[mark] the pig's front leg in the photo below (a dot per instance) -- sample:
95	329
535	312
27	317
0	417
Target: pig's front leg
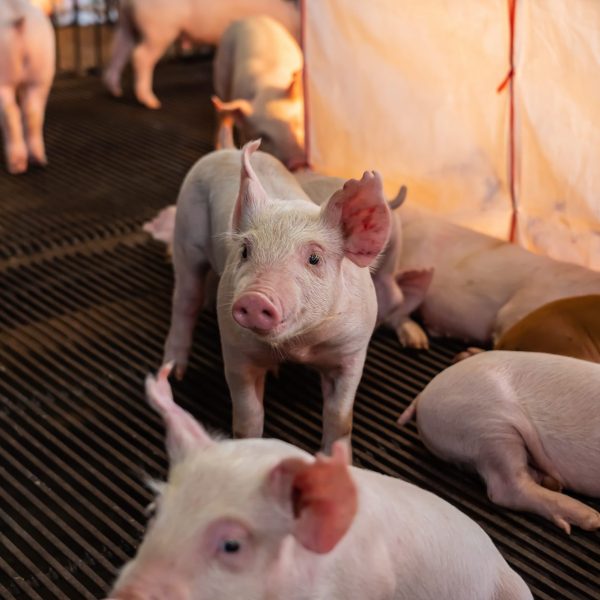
14	141
339	389
246	383
188	297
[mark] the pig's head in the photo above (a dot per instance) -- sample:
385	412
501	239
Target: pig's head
236	518
276	116
291	262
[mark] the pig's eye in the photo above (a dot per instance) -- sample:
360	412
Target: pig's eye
230	546
314	259
244	251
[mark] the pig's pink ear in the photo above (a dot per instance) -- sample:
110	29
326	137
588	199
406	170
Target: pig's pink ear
361	210
239	109
184	433
414	284
294	90
252	195
322	494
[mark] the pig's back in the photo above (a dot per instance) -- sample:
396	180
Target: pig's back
436	550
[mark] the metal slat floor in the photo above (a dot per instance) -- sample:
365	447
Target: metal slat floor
84	309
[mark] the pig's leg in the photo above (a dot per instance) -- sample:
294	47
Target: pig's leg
187	301
33	103
145	57
410	333
121	51
246	385
503	466
15	148
339	389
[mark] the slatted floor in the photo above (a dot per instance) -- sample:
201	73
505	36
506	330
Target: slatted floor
84	306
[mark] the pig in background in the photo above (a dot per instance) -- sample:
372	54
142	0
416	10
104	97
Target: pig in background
262	519
258	82
27	64
148	27
294	278
527	422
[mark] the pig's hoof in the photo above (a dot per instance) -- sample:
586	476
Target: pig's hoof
151	102
467	354
579	515
112	85
17	164
411	335
38	161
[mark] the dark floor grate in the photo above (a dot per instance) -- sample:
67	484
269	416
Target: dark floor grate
84	307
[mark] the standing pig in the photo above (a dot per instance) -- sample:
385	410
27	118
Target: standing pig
148	27
528	422
295	283
27	63
262	519
258	80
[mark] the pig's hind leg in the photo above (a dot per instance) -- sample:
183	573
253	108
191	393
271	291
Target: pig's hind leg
14	141
503	464
33	103
188	295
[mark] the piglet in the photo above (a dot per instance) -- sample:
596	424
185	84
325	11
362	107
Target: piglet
258	80
27	64
528	422
294	278
262	519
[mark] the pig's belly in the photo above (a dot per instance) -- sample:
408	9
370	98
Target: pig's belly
460	315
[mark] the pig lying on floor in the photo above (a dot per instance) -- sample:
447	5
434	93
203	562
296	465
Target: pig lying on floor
526	421
465	284
294	278
258	81
262	519
27	56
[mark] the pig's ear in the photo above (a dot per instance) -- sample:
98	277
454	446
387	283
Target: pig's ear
361	210
322	494
414	284
252	195
239	109
294	90
184	433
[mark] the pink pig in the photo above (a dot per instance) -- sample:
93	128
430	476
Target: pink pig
147	28
526	421
258	80
27	63
263	520
294	278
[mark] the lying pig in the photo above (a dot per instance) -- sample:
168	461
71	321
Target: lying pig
528	422
294	278
262	519
570	327
465	284
148	27
27	64
258	80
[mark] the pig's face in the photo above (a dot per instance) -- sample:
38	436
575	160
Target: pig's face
276	116
235	516
287	261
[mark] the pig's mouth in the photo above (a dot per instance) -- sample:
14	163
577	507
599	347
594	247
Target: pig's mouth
270	334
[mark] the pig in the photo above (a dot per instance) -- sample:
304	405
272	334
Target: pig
27	65
294	278
261	519
148	27
527	422
398	293
570	327
464	284
258	83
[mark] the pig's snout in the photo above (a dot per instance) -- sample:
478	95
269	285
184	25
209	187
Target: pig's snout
253	310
